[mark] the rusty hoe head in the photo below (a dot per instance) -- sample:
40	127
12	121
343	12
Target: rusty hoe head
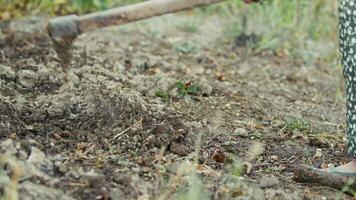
63	31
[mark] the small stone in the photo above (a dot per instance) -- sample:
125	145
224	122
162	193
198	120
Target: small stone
122	179
241	132
337	153
60	167
206	89
205	122
179	149
269	181
317	142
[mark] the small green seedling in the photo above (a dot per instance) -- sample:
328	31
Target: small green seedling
185	89
293	123
163	95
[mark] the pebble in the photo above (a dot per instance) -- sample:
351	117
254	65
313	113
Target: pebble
241	132
206	89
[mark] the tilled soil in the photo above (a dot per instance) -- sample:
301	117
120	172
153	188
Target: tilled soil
116	125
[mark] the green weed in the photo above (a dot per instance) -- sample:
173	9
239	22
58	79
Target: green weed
185	89
185	48
165	97
292	123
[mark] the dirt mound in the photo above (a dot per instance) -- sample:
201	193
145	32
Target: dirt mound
38	101
93	106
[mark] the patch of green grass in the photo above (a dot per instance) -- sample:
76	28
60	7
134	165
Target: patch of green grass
268	170
233	29
256	135
293	123
133	154
185	48
236	169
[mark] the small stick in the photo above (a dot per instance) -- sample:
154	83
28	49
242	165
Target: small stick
127	129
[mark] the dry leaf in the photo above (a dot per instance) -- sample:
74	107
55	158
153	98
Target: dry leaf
219	156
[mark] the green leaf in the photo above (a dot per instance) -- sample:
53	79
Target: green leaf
179	85
193	89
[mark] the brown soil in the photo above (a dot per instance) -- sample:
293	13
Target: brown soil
104	133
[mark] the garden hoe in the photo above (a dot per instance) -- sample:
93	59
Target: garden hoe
64	30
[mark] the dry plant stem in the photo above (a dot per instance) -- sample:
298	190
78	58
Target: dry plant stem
127	129
197	148
286	163
175	181
173	184
10	190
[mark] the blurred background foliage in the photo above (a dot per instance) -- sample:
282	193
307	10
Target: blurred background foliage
11	9
300	28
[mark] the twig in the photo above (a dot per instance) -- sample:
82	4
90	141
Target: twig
124	131
288	162
58	136
87	151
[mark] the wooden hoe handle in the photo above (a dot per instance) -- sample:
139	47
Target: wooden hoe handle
134	12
